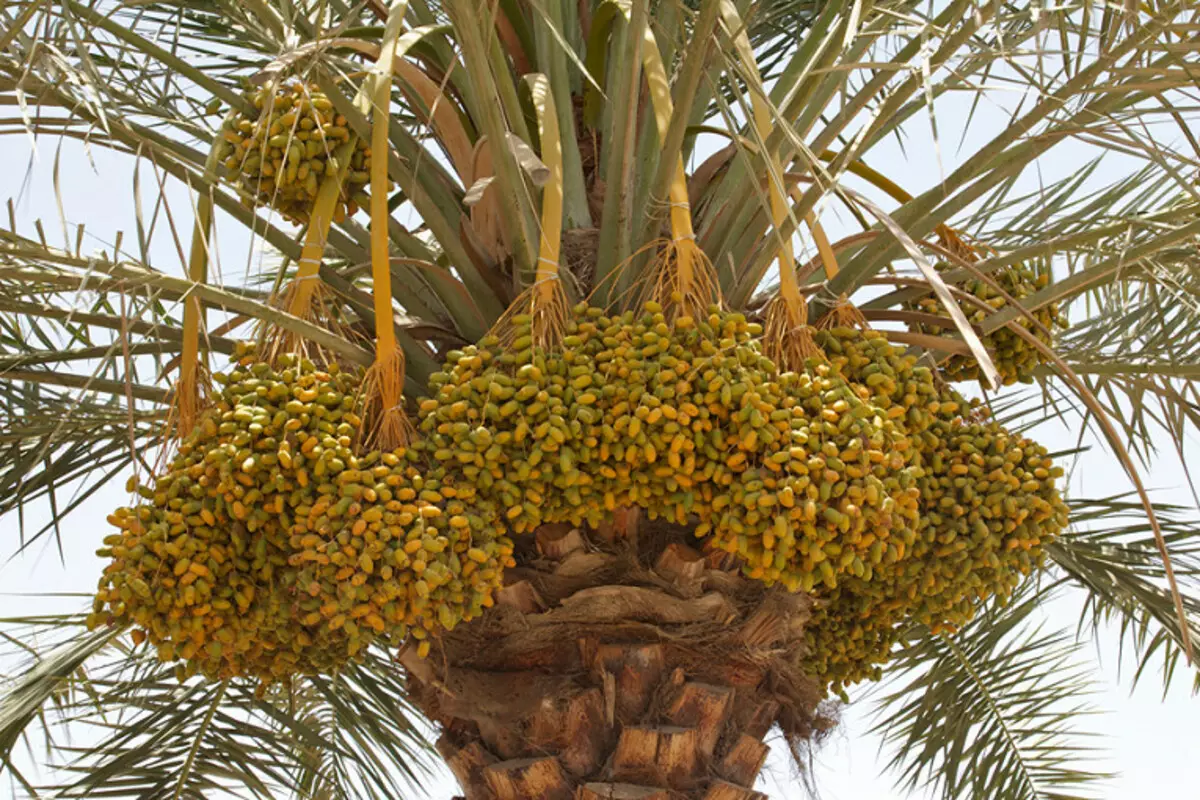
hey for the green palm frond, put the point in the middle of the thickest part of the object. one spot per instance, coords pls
(994, 710)
(1110, 554)
(126, 727)
(53, 679)
(60, 440)
(1137, 349)
(360, 711)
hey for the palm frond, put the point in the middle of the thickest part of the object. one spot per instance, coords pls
(1110, 554)
(118, 724)
(993, 710)
(48, 679)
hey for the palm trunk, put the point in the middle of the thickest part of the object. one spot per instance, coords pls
(619, 666)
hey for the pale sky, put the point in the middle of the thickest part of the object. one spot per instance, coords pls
(1150, 741)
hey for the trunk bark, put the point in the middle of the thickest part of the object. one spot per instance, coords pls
(619, 666)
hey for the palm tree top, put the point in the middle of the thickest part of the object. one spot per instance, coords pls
(897, 156)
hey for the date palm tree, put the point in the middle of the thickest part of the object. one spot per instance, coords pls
(573, 140)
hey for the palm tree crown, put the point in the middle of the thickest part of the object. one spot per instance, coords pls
(427, 189)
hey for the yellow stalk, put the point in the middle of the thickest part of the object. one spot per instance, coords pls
(871, 176)
(552, 192)
(786, 336)
(685, 276)
(824, 248)
(193, 387)
(303, 286)
(386, 427)
(546, 300)
(761, 112)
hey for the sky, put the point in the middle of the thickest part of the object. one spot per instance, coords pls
(1150, 739)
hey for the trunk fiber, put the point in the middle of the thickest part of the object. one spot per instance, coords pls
(619, 665)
